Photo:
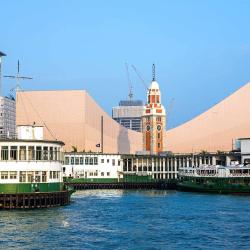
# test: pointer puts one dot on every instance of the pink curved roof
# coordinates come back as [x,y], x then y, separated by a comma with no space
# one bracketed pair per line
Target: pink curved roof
[216,128]
[75,118]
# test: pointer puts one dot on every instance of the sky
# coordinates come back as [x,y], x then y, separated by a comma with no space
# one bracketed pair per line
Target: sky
[201,49]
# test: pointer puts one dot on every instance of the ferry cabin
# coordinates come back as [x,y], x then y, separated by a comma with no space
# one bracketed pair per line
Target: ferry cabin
[30,165]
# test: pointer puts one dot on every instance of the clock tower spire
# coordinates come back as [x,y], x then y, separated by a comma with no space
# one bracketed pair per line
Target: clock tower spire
[153,119]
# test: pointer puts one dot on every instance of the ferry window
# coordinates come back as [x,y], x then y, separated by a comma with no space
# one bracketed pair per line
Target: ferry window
[107,160]
[44,176]
[55,154]
[66,160]
[102,173]
[50,174]
[86,160]
[95,161]
[22,153]
[102,160]
[31,153]
[96,173]
[119,162]
[37,176]
[13,153]
[22,176]
[108,173]
[13,175]
[51,153]
[45,153]
[77,161]
[38,153]
[54,175]
[81,161]
[4,175]
[113,162]
[72,160]
[91,161]
[4,153]
[30,176]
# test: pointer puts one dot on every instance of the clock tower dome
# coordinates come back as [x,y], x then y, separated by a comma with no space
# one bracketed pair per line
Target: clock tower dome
[153,119]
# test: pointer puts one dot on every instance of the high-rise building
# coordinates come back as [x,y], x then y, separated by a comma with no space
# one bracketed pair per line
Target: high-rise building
[153,120]
[129,114]
[7,111]
[7,117]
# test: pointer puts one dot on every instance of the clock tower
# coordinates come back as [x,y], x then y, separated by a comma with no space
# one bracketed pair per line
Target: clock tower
[153,119]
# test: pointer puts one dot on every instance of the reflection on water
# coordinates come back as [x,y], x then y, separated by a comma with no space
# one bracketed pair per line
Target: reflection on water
[130,219]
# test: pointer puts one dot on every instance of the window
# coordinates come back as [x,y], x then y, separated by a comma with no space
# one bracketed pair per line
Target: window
[13,174]
[113,162]
[66,160]
[4,175]
[95,160]
[37,176]
[108,173]
[159,145]
[119,162]
[30,176]
[31,153]
[38,153]
[81,161]
[44,176]
[77,161]
[102,160]
[22,153]
[102,173]
[86,160]
[5,153]
[45,153]
[22,176]
[159,135]
[72,160]
[13,153]
[107,160]
[91,161]
[51,153]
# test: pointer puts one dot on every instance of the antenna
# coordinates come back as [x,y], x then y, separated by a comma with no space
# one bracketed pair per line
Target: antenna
[130,93]
[153,72]
[18,78]
[1,55]
[139,76]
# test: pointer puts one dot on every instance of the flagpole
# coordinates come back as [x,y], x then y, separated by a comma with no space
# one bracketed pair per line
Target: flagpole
[102,134]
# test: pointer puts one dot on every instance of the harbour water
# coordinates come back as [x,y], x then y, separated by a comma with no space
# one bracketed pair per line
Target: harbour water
[118,219]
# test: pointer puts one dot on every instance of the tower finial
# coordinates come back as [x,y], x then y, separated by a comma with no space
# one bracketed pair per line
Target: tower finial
[153,71]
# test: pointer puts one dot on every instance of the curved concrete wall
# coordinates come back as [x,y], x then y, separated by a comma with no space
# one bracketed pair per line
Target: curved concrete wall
[75,118]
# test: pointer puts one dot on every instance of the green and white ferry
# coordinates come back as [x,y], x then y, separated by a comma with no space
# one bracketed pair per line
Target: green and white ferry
[233,179]
[31,171]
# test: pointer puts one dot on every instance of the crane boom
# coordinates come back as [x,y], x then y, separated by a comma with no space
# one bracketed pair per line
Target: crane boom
[139,76]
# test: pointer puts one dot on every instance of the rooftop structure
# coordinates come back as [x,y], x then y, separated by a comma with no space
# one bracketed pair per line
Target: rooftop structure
[128,114]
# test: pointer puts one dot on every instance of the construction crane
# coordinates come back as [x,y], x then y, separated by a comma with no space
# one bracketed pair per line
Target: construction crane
[130,91]
[139,76]
[17,77]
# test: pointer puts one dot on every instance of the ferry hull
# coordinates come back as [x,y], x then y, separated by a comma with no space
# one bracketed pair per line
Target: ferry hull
[219,185]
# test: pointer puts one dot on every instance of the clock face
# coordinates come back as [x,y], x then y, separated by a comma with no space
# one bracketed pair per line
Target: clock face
[148,127]
[159,127]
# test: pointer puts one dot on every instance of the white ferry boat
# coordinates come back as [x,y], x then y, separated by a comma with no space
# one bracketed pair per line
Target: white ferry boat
[31,170]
